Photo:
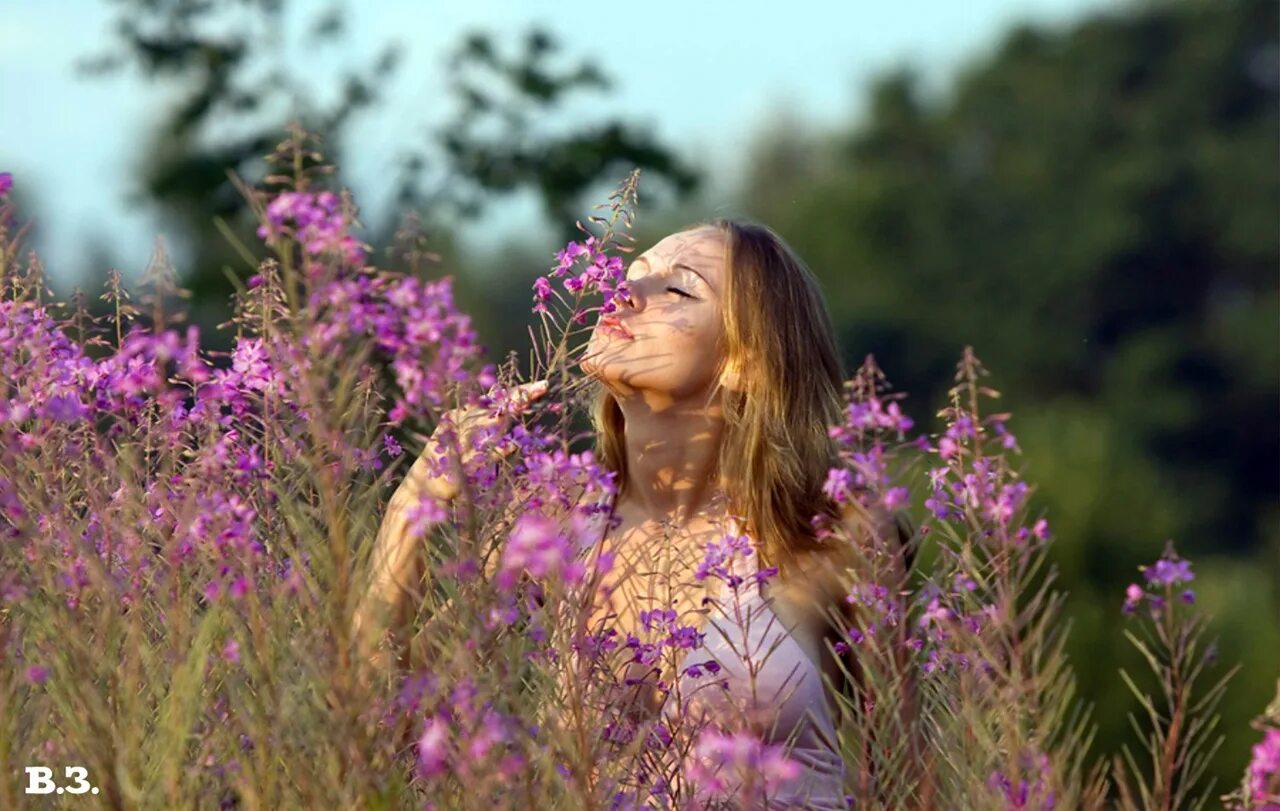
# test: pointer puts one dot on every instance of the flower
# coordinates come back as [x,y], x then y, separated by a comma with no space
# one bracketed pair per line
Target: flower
[6,183]
[537,546]
[1163,575]
[1168,572]
[1265,768]
[721,762]
[433,748]
[1132,597]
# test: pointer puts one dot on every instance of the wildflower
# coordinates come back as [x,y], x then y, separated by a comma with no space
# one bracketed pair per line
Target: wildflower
[1264,768]
[64,408]
[1032,789]
[249,360]
[722,552]
[492,732]
[537,546]
[721,762]
[1132,597]
[36,674]
[838,485]
[231,651]
[947,448]
[895,497]
[6,183]
[936,612]
[433,748]
[316,221]
[1168,572]
[541,292]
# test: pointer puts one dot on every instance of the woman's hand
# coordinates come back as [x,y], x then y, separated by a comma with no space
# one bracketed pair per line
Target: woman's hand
[469,423]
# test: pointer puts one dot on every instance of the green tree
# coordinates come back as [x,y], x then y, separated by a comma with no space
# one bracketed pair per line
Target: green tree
[238,90]
[1094,209]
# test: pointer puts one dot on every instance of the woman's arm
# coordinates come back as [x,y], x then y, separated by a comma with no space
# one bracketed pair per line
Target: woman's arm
[396,570]
[397,575]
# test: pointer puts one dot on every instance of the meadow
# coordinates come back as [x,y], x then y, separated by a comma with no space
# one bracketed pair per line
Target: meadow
[187,539]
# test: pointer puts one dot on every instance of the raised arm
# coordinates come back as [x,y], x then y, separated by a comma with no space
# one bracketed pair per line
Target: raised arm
[395,570]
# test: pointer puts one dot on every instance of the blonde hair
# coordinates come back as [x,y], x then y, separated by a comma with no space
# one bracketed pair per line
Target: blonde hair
[776,445]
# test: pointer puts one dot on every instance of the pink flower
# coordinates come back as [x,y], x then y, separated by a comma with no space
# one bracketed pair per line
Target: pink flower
[542,548]
[721,763]
[838,485]
[433,748]
[6,183]
[1132,596]
[1265,768]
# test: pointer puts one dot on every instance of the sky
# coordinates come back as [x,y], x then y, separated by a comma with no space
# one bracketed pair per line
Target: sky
[704,75]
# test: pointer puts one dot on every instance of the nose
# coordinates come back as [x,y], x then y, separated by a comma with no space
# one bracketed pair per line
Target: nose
[629,297]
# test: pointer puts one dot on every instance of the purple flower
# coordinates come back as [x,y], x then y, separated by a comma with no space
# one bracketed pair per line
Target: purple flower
[539,547]
[1265,768]
[65,408]
[6,183]
[895,497]
[36,674]
[720,763]
[1169,572]
[838,485]
[393,448]
[433,748]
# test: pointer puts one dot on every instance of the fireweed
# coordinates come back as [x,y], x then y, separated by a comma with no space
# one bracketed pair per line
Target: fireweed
[1260,788]
[1178,737]
[185,544]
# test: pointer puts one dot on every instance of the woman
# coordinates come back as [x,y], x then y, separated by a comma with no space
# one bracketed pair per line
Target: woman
[718,379]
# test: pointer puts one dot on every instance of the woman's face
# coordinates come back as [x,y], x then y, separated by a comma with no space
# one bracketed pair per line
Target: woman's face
[668,338]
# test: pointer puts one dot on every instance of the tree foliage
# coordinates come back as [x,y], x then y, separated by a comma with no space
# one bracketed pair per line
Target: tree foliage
[1094,209]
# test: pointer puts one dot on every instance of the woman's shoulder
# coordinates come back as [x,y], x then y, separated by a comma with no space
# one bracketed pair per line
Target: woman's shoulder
[822,573]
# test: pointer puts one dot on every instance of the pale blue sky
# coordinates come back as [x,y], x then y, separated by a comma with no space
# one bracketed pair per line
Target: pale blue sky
[706,76]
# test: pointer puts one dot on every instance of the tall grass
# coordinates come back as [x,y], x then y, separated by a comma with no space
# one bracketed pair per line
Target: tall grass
[186,542]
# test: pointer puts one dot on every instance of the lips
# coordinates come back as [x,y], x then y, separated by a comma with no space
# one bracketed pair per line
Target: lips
[615,326]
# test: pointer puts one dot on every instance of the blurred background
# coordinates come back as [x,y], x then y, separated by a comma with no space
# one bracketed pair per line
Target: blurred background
[1087,192]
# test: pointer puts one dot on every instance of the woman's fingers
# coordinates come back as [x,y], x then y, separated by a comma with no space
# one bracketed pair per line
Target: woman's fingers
[521,397]
[526,393]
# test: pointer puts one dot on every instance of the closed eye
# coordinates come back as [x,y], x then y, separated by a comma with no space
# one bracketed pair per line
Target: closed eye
[680,292]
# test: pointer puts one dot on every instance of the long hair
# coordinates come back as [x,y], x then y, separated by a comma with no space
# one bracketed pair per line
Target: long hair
[776,445]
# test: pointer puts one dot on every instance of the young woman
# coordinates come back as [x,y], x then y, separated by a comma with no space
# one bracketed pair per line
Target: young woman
[718,379]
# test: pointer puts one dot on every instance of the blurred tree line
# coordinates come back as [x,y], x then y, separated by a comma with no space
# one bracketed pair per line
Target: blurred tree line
[237,90]
[1095,208]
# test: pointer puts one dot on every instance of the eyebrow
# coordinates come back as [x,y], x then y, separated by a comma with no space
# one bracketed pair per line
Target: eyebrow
[687,267]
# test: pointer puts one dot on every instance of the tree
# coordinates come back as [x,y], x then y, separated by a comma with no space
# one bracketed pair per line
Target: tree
[239,91]
[1094,209]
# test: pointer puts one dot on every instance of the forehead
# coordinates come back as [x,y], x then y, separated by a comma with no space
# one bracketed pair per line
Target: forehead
[701,248]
